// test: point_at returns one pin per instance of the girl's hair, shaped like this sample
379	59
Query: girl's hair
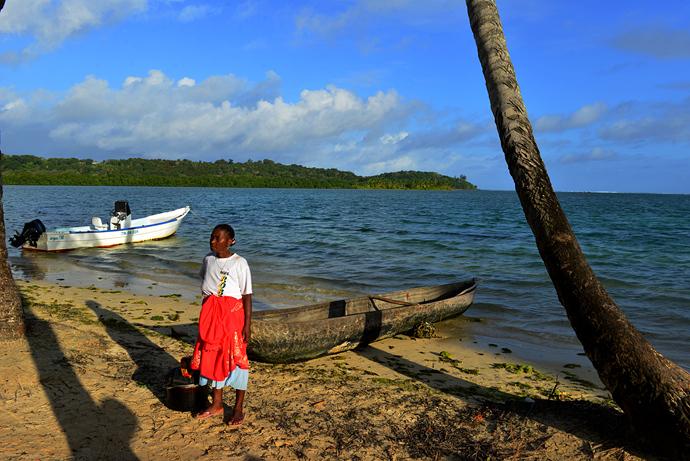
227	228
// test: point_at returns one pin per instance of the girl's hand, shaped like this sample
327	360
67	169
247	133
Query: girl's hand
246	333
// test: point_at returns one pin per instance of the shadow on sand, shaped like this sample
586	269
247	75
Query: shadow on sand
597	424
93	430
152	362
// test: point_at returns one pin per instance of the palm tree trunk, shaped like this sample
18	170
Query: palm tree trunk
652	391
11	313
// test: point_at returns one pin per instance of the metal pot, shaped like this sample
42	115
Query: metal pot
186	397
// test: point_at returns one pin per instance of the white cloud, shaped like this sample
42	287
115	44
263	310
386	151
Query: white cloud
191	13
186	81
394	138
49	23
587	114
441	137
225	116
403	162
370	23
15	110
132	81
596	154
156	115
361	12
13	105
246	9
636	122
582	117
659	41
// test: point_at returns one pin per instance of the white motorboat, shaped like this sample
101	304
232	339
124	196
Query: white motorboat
120	229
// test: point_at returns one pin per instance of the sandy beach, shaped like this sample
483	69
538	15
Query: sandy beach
88	382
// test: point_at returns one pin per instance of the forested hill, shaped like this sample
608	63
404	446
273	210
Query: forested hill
32	170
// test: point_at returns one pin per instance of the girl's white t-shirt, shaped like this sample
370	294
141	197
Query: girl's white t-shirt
225	276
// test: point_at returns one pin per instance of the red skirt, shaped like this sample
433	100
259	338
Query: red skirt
220	347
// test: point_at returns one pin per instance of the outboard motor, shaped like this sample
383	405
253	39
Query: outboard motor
31	232
121	215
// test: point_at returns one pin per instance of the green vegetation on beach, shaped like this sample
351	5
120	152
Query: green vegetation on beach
32	170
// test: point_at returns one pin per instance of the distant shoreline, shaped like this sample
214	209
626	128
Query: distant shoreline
4	184
37	171
585	192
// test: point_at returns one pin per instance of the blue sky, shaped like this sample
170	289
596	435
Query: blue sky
365	85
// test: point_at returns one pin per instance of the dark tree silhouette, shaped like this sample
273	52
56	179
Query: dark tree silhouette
11	314
652	391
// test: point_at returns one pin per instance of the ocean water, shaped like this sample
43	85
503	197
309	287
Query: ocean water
305	246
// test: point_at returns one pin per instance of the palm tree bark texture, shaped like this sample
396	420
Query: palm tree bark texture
652	391
11	313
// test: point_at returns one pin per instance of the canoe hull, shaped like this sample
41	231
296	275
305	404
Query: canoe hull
148	229
285	336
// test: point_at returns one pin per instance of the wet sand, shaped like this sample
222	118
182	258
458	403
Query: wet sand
88	382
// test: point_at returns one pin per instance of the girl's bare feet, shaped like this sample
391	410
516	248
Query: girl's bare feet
216	407
237	418
237	413
210	411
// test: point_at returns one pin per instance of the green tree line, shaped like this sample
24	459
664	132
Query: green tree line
33	170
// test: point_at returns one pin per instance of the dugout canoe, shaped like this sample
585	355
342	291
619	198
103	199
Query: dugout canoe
302	333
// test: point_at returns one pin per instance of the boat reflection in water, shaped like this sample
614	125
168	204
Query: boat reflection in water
154	267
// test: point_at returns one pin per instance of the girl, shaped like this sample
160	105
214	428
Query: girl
220	353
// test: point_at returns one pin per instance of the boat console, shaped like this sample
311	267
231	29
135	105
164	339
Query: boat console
121	216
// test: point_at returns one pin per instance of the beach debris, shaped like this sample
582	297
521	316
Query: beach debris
517	368
445	356
513	367
283	443
320	405
423	330
554	392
